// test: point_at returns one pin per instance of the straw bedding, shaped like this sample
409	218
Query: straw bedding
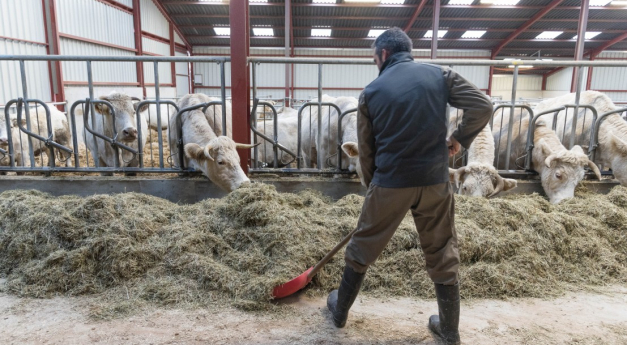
134	247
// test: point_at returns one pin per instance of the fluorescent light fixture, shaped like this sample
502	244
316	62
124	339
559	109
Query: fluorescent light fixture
461	2
599	3
589	35
323	1
222	31
321	32
363	1
392	2
212	0
263	31
549	35
257	1
619	3
473	34
520	66
500	2
441	33
375	32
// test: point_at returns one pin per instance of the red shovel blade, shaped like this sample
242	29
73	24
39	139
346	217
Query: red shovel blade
292	286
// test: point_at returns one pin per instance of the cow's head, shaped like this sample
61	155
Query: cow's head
352	151
219	161
618	154
125	118
482	180
4	137
563	170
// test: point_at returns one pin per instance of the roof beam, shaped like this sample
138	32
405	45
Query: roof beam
415	15
169	18
607	44
525	26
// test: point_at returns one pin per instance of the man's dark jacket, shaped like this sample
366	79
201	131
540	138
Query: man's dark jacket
402	122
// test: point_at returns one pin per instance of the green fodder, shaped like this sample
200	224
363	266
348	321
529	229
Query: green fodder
236	249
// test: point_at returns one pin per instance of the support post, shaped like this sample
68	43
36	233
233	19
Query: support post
137	26
581	33
172	53
436	26
240	76
52	39
288	35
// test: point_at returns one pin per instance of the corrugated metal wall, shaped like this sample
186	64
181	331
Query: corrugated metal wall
23	20
611	78
182	79
165	70
153	20
178	38
128	3
102	71
342	77
528	86
96	21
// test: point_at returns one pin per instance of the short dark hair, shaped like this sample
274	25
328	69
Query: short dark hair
393	40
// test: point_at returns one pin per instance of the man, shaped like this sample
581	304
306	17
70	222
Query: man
403	152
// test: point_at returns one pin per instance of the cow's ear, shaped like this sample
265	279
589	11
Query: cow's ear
351	149
546	149
194	151
102	108
618	145
509	184
142	109
577	149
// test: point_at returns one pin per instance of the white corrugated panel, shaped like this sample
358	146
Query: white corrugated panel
181	67
155	47
128	3
22	19
178	38
211	73
613	55
524	82
609	78
560	80
620	97
182	86
153	20
96	21
37	76
102	71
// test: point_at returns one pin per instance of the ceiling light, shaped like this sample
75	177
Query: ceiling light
461	2
500	2
392	2
619	3
263	31
599	3
520	66
549	35
364	1
589	35
257	1
222	31
473	34
323	1
321	32
441	33
375	32
212	0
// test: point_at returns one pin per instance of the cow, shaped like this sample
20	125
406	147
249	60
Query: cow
39	125
612	149
167	111
479	177
126	128
205	147
287	136
311	148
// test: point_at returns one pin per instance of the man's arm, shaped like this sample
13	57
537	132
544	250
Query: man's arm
365	141
476	105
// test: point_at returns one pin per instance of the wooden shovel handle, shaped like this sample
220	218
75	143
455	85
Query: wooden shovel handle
329	255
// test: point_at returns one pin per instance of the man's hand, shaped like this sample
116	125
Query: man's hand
453	146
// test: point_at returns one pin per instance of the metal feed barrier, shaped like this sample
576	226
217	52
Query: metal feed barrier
162	160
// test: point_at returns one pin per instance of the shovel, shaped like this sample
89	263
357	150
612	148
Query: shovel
302	280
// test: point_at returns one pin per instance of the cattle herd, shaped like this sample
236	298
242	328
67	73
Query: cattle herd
208	149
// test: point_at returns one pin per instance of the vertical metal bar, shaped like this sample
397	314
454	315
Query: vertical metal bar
74	138
319	157
510	124
7	118
579	46
288	21
255	161
27	114
577	99
92	109
436	26
223	96
159	134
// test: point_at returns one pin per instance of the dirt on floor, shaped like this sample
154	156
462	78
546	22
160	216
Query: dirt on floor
590	317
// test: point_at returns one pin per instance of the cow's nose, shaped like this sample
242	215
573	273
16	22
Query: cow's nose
130	132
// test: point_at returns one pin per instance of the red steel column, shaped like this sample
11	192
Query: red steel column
491	75
581	31
55	72
137	25
288	35
240	75
436	27
172	53
589	80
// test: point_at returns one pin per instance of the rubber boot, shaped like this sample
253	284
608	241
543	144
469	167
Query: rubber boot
340	301
446	324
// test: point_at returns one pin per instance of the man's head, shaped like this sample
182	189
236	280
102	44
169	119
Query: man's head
390	42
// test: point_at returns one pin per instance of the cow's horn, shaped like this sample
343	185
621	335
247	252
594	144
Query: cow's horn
136	99
500	184
208	149
594	168
549	159
245	146
458	175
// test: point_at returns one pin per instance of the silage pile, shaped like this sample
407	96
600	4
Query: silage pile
236	249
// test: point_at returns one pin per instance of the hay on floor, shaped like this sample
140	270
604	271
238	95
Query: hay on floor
237	248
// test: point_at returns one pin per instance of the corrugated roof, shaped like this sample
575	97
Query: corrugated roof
500	22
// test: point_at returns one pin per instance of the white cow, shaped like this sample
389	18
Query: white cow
39	125
287	136
125	126
214	154
167	112
612	149
326	148
479	177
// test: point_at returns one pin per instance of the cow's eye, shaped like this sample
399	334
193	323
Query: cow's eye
221	162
